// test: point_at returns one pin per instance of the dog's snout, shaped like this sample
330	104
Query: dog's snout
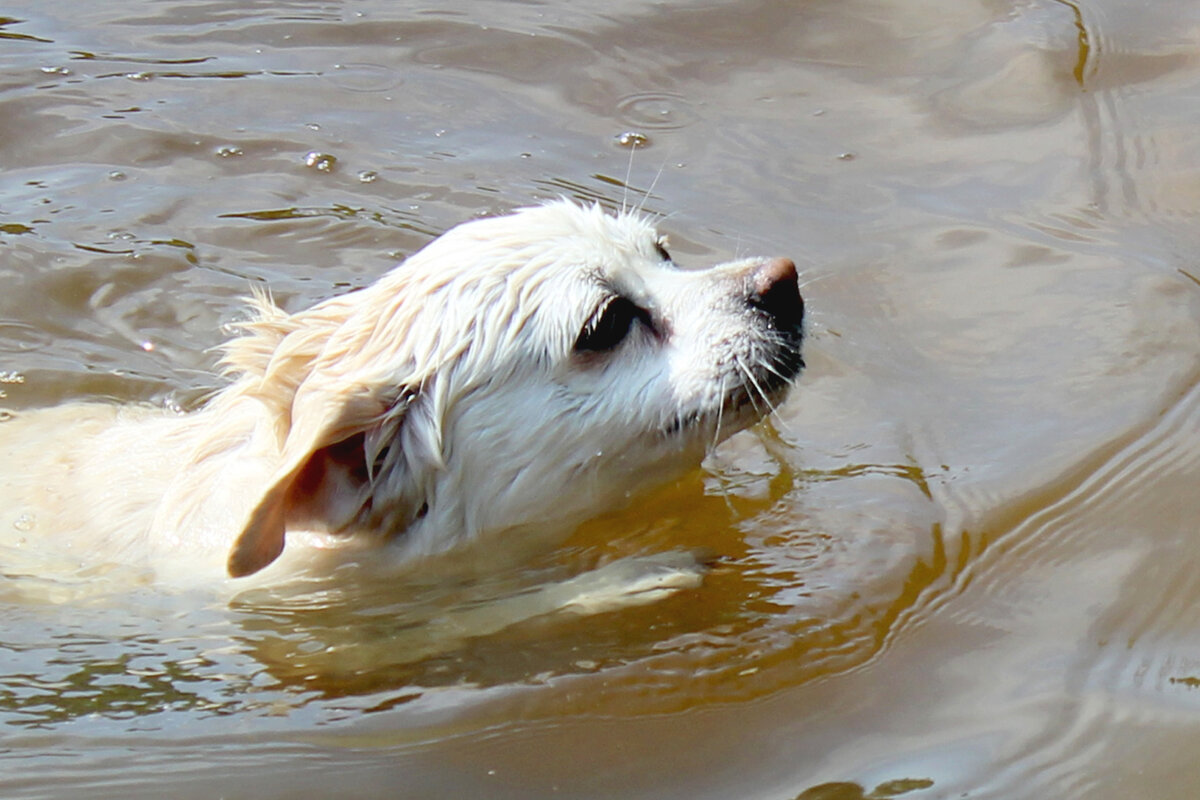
775	289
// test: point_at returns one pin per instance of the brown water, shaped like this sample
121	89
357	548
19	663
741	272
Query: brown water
964	561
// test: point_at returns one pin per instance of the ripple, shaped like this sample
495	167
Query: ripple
363	77
657	110
17	337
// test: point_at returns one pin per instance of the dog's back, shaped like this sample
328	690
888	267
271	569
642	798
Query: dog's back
95	482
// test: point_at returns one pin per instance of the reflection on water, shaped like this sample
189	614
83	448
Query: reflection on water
959	561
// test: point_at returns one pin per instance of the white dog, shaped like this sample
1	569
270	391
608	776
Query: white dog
515	376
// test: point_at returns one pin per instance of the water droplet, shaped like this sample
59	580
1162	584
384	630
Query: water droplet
368	176
56	70
148	346
312	126
526	155
230	151
139	76
846	157
117	175
25	522
11	376
320	161
632	140
6	415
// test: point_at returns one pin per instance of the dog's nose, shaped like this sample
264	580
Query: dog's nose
775	289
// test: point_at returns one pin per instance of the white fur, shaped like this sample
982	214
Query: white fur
443	404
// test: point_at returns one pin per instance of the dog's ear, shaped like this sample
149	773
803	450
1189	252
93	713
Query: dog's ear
323	469
337	380
296	366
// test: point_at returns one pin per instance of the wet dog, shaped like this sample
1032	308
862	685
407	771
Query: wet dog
512	378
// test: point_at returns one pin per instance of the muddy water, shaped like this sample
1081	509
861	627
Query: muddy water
961	563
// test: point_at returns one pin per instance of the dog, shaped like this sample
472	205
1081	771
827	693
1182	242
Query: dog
515	376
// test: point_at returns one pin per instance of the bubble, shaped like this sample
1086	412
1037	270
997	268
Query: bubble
846	157
139	76
25	522
632	140
368	176
230	151
117	175
323	162
56	70
6	415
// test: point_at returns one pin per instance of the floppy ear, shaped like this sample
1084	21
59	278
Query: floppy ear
337	380
322	475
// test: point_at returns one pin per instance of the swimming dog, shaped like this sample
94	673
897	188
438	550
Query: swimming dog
518	374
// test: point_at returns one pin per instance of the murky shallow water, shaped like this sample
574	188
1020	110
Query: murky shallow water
961	563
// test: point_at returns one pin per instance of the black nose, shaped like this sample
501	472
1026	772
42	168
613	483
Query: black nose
775	289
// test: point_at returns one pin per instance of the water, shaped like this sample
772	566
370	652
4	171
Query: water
960	563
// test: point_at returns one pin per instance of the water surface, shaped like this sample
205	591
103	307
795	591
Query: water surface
960	563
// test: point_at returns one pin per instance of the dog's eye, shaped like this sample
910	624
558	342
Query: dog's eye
660	245
609	326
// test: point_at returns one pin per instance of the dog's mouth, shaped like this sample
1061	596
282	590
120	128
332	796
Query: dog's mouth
757	394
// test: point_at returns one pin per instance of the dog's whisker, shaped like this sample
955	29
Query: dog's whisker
716	437
809	280
773	368
747	387
763	395
633	146
649	192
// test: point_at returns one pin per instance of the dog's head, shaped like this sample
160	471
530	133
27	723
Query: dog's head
521	370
